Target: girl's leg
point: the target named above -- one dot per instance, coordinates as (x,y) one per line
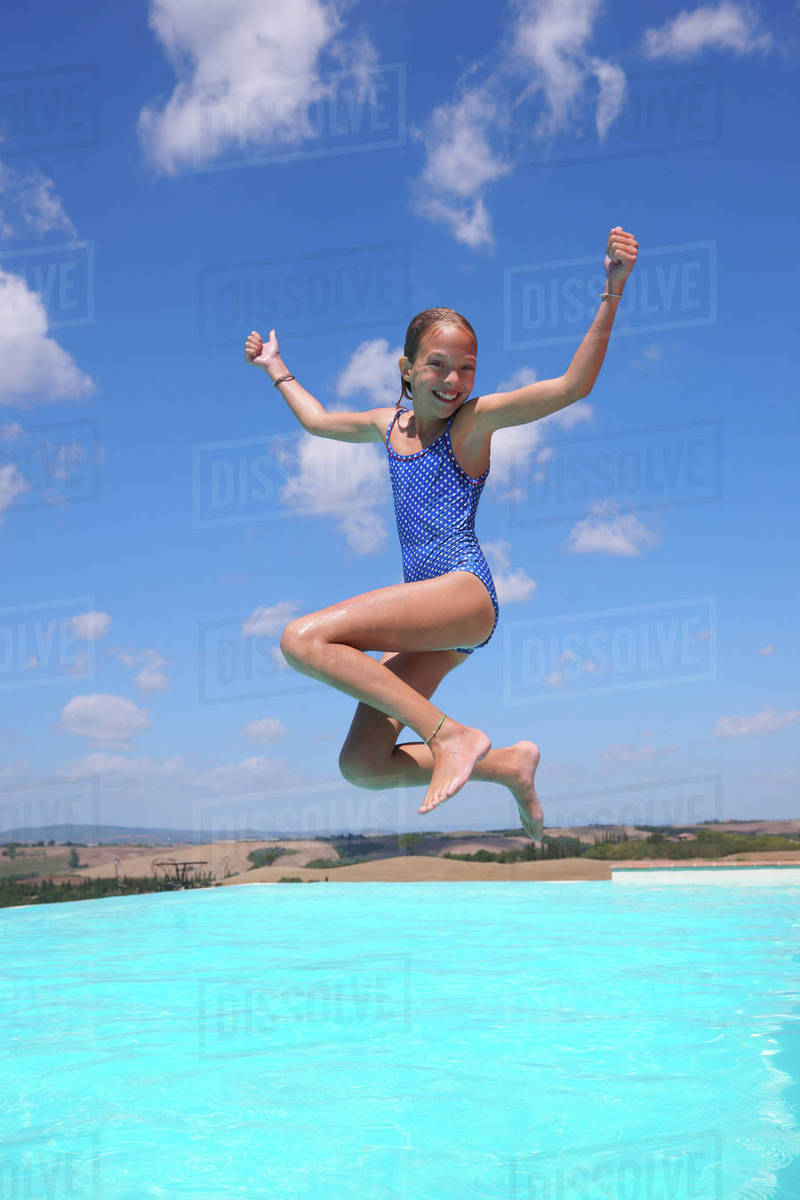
(370,757)
(433,614)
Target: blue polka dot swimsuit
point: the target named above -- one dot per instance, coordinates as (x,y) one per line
(435,502)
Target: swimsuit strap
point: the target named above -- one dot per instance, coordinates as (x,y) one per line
(391,423)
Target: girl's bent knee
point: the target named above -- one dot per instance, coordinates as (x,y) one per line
(356,770)
(295,641)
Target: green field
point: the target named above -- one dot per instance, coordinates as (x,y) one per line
(34,865)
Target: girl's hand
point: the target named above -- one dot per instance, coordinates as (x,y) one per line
(260,354)
(621,252)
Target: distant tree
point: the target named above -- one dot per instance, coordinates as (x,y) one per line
(74,858)
(407,841)
(12,850)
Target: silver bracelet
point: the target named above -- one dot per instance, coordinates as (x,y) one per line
(282,379)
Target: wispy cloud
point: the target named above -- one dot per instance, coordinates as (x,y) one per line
(519,449)
(546,55)
(28,205)
(607,531)
(512,584)
(34,369)
(373,369)
(346,481)
(726,26)
(767,721)
(544,51)
(104,718)
(265,730)
(91,625)
(12,484)
(246,73)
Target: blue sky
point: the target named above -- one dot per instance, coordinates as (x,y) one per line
(170,180)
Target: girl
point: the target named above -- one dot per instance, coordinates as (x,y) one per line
(438,451)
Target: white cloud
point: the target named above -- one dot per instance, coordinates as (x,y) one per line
(265,730)
(512,585)
(175,778)
(12,484)
(344,480)
(269,622)
(103,718)
(725,26)
(372,368)
(764,722)
(37,210)
(460,164)
(611,97)
(555,679)
(91,625)
(152,677)
(605,531)
(546,54)
(549,41)
(515,447)
(11,432)
(246,74)
(33,368)
(767,650)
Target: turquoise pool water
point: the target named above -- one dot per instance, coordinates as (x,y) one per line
(403,1040)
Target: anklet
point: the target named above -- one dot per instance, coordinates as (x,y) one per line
(436,730)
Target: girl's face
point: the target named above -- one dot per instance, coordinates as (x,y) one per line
(443,373)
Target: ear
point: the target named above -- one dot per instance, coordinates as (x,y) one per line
(405,365)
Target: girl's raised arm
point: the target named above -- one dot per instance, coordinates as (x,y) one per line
(344,426)
(536,400)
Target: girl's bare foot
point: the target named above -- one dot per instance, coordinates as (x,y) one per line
(456,749)
(524,759)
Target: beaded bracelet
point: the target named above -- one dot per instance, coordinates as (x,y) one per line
(428,740)
(282,379)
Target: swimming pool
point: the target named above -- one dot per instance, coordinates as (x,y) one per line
(423,1040)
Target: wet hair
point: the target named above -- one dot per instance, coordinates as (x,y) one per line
(431,318)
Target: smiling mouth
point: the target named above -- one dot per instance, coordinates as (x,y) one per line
(446,399)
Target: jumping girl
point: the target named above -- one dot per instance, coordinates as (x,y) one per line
(438,451)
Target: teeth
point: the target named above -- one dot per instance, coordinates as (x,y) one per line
(447,396)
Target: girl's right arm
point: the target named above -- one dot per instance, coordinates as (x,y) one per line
(344,426)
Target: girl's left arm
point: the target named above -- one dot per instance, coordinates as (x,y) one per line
(539,399)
